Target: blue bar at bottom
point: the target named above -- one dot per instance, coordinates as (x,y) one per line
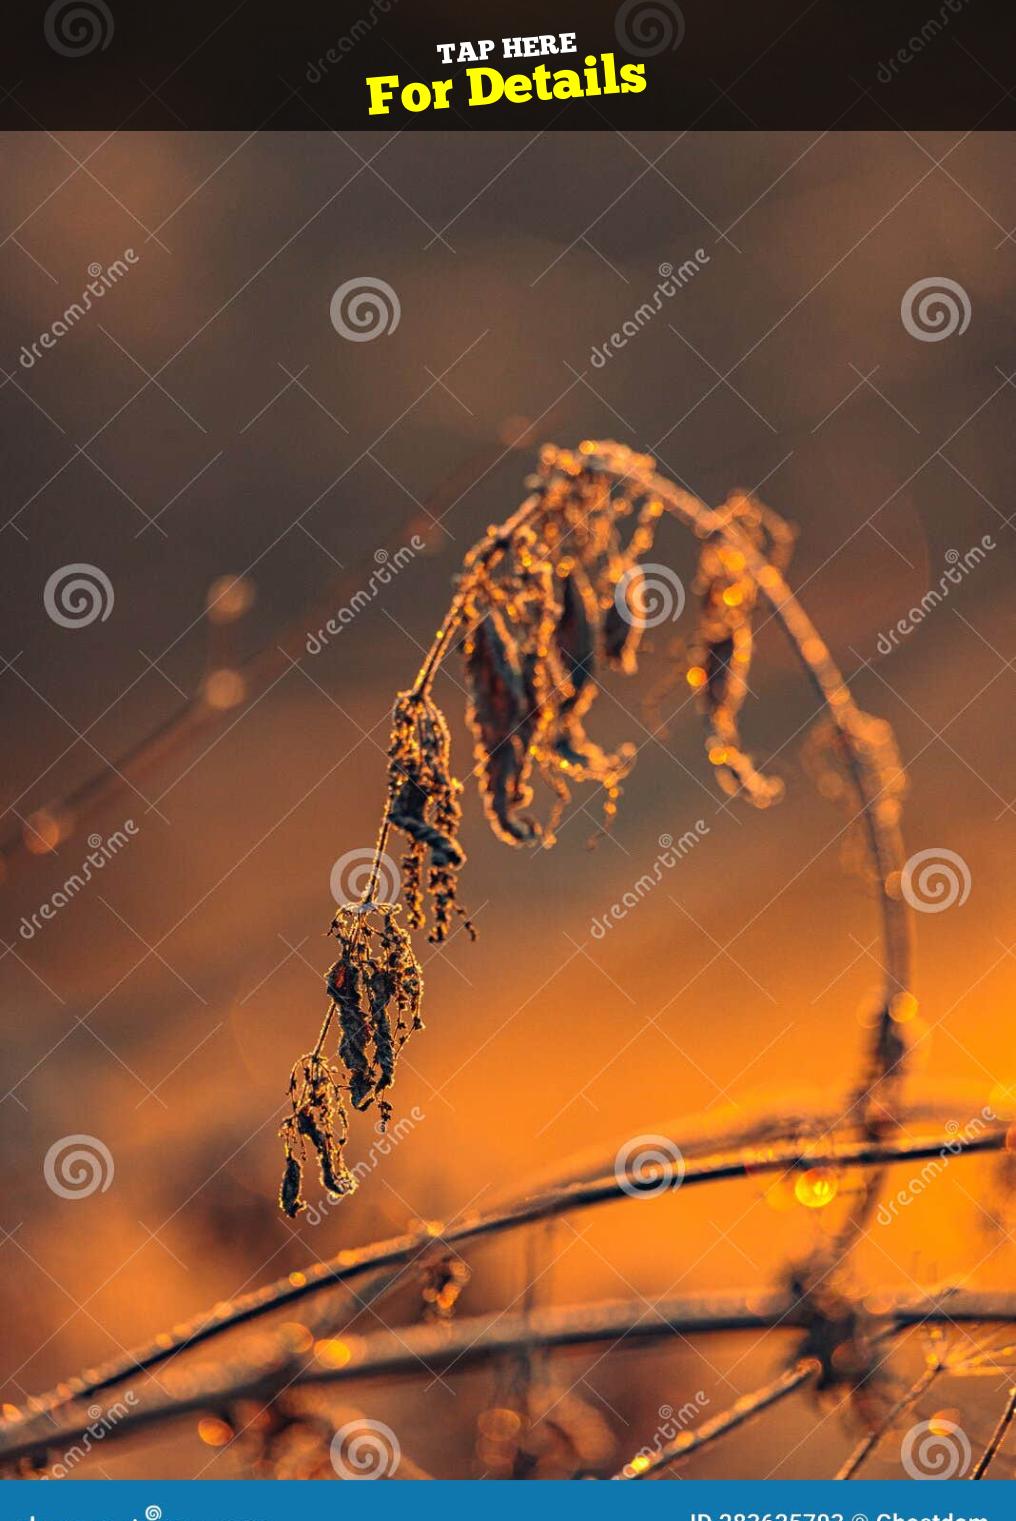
(684,1500)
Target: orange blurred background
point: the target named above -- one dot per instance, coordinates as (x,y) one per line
(161,1010)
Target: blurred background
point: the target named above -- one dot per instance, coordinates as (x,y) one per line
(206,420)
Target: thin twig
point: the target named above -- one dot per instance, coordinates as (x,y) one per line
(687,1442)
(871,1439)
(350,1264)
(429,1348)
(997,1437)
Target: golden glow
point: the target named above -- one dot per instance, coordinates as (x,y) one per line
(333,1353)
(297,1336)
(224,689)
(696,676)
(903,1008)
(816,1188)
(42,833)
(733,596)
(718,755)
(229,598)
(213,1432)
(499,1424)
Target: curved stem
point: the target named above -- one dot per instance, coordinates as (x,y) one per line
(875,782)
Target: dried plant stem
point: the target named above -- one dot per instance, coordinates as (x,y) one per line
(349,1265)
(877,783)
(871,1439)
(996,1439)
(257,1369)
(687,1442)
(800,1124)
(267,1368)
(488,548)
(534,601)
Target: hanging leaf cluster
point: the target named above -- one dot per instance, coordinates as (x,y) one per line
(545,605)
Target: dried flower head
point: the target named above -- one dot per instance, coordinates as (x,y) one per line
(543,605)
(424,804)
(318,1121)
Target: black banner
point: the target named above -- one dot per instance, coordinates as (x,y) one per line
(395,65)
